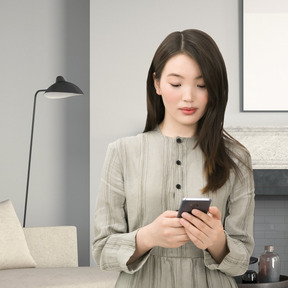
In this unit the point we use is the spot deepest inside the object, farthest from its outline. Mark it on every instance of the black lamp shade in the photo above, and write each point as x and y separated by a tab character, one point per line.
62	89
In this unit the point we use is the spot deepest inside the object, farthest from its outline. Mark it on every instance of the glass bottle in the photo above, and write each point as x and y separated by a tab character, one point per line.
269	266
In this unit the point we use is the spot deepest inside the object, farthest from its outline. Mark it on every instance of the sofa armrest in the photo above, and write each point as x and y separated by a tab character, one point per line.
53	246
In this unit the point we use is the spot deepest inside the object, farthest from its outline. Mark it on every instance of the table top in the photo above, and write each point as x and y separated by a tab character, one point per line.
283	283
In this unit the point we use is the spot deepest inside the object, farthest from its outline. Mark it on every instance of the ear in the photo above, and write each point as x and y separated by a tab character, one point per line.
157	84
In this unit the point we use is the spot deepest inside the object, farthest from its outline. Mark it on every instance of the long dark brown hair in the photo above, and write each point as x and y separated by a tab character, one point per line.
210	133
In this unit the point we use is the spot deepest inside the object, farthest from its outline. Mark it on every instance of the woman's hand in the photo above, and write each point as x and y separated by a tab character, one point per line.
206	231
166	231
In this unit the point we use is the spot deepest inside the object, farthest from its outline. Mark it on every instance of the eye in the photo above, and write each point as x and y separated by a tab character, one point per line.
201	86
175	85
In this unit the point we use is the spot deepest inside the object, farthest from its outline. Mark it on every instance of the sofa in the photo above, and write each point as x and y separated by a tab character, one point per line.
43	256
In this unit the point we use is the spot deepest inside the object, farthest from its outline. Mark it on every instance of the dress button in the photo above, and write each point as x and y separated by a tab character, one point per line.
178	162
178	140
178	186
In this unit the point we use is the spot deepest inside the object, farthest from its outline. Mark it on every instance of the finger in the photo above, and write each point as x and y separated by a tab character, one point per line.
175	233
182	237
168	220
203	227
198	237
171	219
215	212
210	220
175	223
197	224
203	217
198	241
170	214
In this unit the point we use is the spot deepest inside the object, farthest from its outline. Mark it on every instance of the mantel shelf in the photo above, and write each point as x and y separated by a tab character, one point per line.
268	145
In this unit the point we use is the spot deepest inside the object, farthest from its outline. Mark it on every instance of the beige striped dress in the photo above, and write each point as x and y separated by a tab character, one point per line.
147	174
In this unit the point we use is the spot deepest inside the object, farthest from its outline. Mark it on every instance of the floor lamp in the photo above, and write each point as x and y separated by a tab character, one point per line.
60	89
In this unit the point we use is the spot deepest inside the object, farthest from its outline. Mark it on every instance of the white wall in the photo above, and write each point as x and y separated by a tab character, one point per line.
123	38
39	41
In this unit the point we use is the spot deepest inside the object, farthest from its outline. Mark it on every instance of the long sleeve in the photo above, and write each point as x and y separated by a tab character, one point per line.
238	225
114	244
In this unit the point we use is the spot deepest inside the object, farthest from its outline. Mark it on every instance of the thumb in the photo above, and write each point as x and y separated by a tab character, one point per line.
215	212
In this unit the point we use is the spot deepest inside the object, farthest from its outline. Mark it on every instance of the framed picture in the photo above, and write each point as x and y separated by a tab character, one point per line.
265	55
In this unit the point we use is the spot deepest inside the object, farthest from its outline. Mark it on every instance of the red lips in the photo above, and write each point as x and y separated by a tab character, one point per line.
188	110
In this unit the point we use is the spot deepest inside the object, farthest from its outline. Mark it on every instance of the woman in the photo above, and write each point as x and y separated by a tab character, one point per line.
183	152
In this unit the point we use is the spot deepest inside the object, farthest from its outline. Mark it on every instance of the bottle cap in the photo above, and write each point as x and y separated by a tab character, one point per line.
269	248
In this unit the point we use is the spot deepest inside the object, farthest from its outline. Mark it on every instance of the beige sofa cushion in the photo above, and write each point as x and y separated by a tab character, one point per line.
71	277
53	246
13	246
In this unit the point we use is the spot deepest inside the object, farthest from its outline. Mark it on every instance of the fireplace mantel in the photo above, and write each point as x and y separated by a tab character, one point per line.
268	146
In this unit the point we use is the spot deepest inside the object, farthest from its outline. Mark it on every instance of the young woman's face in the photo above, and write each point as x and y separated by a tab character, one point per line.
184	96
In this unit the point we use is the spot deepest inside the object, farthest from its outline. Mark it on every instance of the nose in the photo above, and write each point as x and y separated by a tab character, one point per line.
188	95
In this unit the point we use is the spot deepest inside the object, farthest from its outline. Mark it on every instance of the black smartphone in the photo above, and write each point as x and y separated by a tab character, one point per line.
188	204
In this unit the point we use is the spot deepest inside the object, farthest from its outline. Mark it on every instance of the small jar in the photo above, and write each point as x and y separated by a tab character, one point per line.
269	266
250	276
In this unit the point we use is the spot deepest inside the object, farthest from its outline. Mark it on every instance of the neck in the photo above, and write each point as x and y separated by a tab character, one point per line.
178	130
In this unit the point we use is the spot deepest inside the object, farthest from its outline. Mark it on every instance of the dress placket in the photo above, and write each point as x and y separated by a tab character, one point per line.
179	185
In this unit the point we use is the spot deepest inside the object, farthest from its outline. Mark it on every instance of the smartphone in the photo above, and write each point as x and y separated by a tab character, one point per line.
188	204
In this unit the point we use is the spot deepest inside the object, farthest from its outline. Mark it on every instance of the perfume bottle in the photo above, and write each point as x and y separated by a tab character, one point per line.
269	266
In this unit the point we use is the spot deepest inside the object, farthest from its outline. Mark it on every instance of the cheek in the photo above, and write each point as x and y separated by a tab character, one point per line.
169	100
169	95
204	99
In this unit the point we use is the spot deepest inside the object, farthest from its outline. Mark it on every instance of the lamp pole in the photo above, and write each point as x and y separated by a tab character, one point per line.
30	153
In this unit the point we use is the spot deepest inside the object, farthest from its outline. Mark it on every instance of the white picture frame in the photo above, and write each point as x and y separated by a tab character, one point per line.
265	55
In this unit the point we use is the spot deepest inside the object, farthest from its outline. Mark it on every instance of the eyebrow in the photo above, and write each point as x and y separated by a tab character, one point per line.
175	75
179	76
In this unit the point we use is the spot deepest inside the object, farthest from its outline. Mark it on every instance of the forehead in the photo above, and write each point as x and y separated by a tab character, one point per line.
181	64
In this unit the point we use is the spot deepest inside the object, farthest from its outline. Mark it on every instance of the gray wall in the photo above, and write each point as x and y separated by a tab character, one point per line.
39	41
123	38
